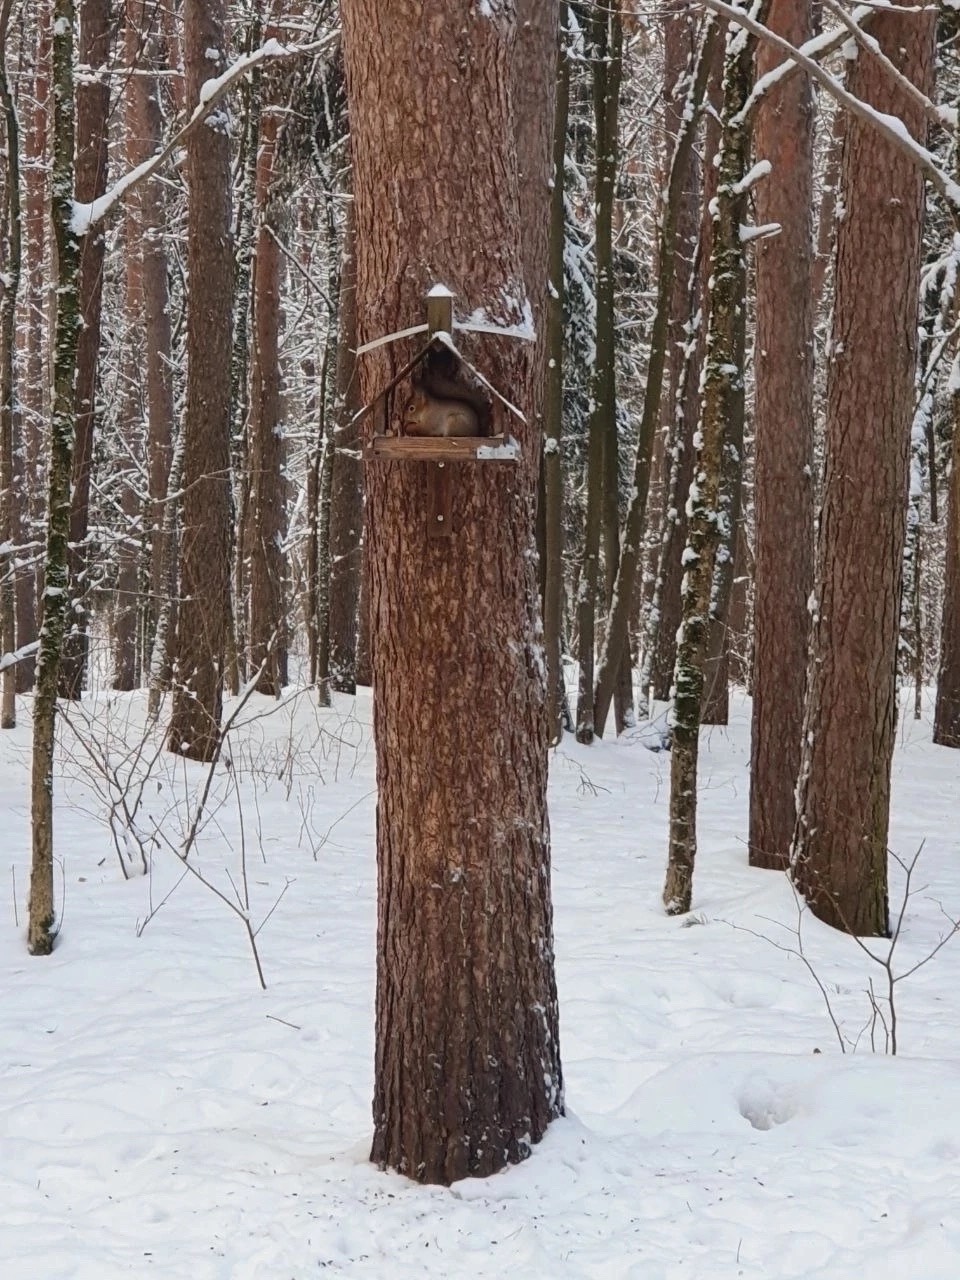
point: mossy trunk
(722, 403)
(41, 915)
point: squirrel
(428, 415)
(442, 403)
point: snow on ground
(161, 1116)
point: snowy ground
(161, 1116)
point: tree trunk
(145, 125)
(127, 613)
(783, 466)
(616, 632)
(40, 929)
(716, 663)
(552, 496)
(268, 524)
(722, 406)
(680, 406)
(602, 522)
(605, 383)
(244, 241)
(205, 543)
(467, 1071)
(346, 483)
(840, 845)
(11, 499)
(34, 351)
(946, 722)
(93, 110)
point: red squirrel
(443, 402)
(428, 415)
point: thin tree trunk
(716, 663)
(244, 240)
(722, 405)
(40, 930)
(267, 512)
(205, 543)
(680, 405)
(33, 384)
(164, 637)
(365, 641)
(843, 796)
(93, 109)
(126, 609)
(143, 18)
(312, 503)
(946, 722)
(602, 522)
(617, 623)
(552, 567)
(11, 522)
(346, 483)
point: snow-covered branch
(936, 116)
(18, 655)
(889, 127)
(820, 46)
(211, 92)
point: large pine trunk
(783, 430)
(467, 1070)
(843, 810)
(205, 544)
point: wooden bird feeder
(399, 447)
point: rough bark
(11, 499)
(34, 331)
(783, 461)
(722, 406)
(946, 723)
(552, 479)
(618, 618)
(664, 647)
(268, 525)
(680, 404)
(126, 608)
(716, 663)
(41, 913)
(205, 543)
(93, 109)
(602, 519)
(346, 484)
(467, 1062)
(146, 124)
(840, 844)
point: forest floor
(161, 1116)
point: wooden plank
(443, 449)
(440, 501)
